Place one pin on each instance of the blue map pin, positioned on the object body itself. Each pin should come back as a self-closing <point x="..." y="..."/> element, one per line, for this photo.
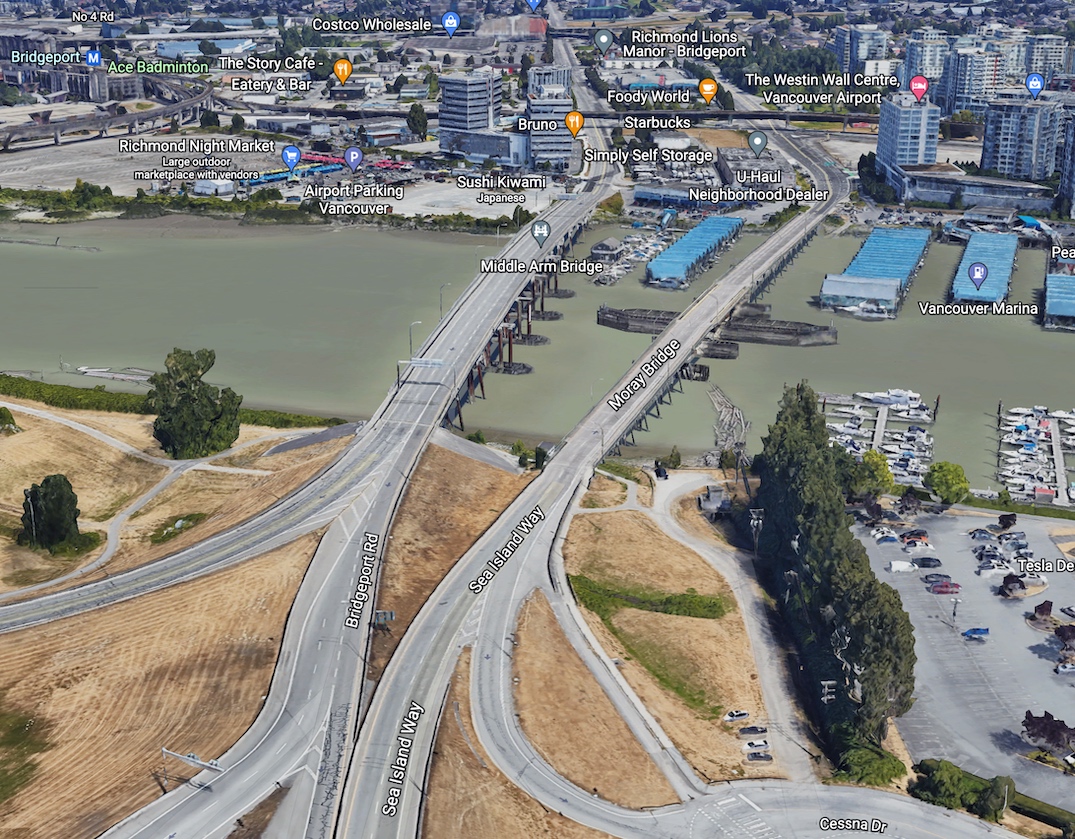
<point x="291" y="156"/>
<point x="353" y="156"/>
<point x="1035" y="83"/>
<point x="978" y="273"/>
<point x="533" y="4"/>
<point x="450" y="22"/>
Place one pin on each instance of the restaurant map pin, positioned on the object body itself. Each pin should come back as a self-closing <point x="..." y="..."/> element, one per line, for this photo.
<point x="342" y="69"/>
<point x="603" y="40"/>
<point x="574" y="121"/>
<point x="708" y="89"/>
<point x="757" y="142"/>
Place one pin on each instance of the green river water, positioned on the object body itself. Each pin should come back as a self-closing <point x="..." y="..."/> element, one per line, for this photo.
<point x="314" y="320"/>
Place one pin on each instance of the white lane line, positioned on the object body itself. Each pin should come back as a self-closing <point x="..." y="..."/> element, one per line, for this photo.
<point x="751" y="803"/>
<point x="318" y="645"/>
<point x="725" y="801"/>
<point x="284" y="746"/>
<point x="300" y="716"/>
<point x="315" y="669"/>
<point x="323" y="620"/>
<point x="335" y="672"/>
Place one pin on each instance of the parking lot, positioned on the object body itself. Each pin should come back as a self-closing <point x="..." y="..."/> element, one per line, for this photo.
<point x="972" y="695"/>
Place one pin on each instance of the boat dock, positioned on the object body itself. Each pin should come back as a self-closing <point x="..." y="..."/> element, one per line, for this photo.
<point x="875" y="283"/>
<point x="1035" y="469"/>
<point x="1060" y="470"/>
<point x="997" y="252"/>
<point x="879" y="427"/>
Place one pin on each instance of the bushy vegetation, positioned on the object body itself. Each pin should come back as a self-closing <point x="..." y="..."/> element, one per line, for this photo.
<point x="7" y="421"/>
<point x="21" y="737"/>
<point x="50" y="518"/>
<point x="168" y="529"/>
<point x="99" y="399"/>
<point x="848" y="626"/>
<point x="194" y="418"/>
<point x="873" y="184"/>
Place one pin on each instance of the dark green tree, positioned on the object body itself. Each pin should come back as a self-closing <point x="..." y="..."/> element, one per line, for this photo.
<point x="944" y="786"/>
<point x="7" y="422"/>
<point x="194" y="418"/>
<point x="540" y="456"/>
<point x="209" y="119"/>
<point x="49" y="513"/>
<point x="416" y="120"/>
<point x="237" y="123"/>
<point x="947" y="481"/>
<point x="994" y="799"/>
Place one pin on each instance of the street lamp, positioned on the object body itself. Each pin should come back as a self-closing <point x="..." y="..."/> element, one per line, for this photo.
<point x="410" y="335"/>
<point x="442" y="285"/>
<point x="955" y="605"/>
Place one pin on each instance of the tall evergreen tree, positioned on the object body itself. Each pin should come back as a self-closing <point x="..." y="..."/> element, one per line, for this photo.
<point x="194" y="419"/>
<point x="49" y="513"/>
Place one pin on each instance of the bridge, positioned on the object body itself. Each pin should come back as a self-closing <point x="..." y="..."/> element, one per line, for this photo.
<point x="187" y="100"/>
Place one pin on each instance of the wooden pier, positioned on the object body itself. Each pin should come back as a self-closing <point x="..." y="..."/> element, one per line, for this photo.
<point x="1060" y="469"/>
<point x="879" y="428"/>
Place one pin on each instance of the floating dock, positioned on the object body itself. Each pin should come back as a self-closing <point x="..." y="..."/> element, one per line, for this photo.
<point x="1059" y="302"/>
<point x="997" y="252"/>
<point x="676" y="265"/>
<point x="755" y="329"/>
<point x="881" y="271"/>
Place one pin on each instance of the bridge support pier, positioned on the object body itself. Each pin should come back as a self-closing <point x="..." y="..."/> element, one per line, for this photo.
<point x="56" y="137"/>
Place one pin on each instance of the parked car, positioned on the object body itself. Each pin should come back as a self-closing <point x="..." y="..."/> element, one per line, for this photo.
<point x="1010" y="535"/>
<point x="759" y="756"/>
<point x="911" y="534"/>
<point x="936" y="578"/>
<point x="947" y="587"/>
<point x="1064" y="668"/>
<point x="911" y="547"/>
<point x="735" y="716"/>
<point x="884" y="539"/>
<point x="753" y="731"/>
<point x="927" y="562"/>
<point x="756" y="746"/>
<point x="882" y="531"/>
<point x="1016" y="545"/>
<point x="1068" y="610"/>
<point x="986" y="552"/>
<point x="981" y="535"/>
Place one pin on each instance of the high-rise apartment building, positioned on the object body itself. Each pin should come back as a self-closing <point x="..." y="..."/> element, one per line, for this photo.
<point x="1021" y="136"/>
<point x="548" y="101"/>
<point x="854" y="44"/>
<point x="1045" y="54"/>
<point x="470" y="101"/>
<point x="1067" y="168"/>
<point x="970" y="81"/>
<point x="906" y="134"/>
<point x="926" y="49"/>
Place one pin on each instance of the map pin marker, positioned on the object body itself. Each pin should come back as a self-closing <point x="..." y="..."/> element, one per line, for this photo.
<point x="353" y="156"/>
<point x="450" y="22"/>
<point x="540" y="231"/>
<point x="342" y="69"/>
<point x="757" y="141"/>
<point x="533" y="4"/>
<point x="919" y="85"/>
<point x="574" y="121"/>
<point x="291" y="156"/>
<point x="978" y="272"/>
<point x="708" y="89"/>
<point x="603" y="40"/>
<point x="1035" y="83"/>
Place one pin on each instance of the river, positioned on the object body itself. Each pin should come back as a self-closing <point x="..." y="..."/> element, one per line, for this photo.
<point x="314" y="320"/>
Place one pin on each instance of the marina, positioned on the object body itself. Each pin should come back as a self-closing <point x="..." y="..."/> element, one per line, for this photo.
<point x="1031" y="453"/>
<point x="996" y="251"/>
<point x="675" y="266"/>
<point x="875" y="283"/>
<point x="890" y="422"/>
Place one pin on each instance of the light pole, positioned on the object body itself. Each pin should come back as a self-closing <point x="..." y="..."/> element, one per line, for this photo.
<point x="442" y="285"/>
<point x="503" y="224"/>
<point x="601" y="379"/>
<point x="955" y="605"/>
<point x="410" y="335"/>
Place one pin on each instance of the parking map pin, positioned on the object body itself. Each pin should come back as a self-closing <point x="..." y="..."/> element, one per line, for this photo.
<point x="708" y="89"/>
<point x="978" y="272"/>
<point x="757" y="142"/>
<point x="291" y="156"/>
<point x="450" y="22"/>
<point x="540" y="230"/>
<point x="342" y="69"/>
<point x="919" y="85"/>
<point x="574" y="121"/>
<point x="533" y="4"/>
<point x="1035" y="83"/>
<point x="603" y="40"/>
<point x="353" y="156"/>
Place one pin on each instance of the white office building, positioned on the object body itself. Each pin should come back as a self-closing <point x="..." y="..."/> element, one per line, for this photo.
<point x="1021" y="136"/>
<point x="548" y="101"/>
<point x="926" y="49"/>
<point x="471" y="101"/>
<point x="906" y="134"/>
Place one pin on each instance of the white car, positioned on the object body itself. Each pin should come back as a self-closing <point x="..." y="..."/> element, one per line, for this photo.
<point x="878" y="532"/>
<point x="911" y="547"/>
<point x="735" y="716"/>
<point x="1060" y="668"/>
<point x="756" y="746"/>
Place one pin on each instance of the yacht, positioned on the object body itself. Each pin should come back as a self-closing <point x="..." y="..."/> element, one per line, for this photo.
<point x="892" y="396"/>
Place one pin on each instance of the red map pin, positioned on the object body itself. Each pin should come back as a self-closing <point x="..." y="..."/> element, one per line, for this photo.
<point x="919" y="86"/>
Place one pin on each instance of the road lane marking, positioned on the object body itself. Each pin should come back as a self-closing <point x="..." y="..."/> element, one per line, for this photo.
<point x="751" y="803"/>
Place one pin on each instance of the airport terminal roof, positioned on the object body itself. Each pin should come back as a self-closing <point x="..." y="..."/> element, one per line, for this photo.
<point x="997" y="252"/>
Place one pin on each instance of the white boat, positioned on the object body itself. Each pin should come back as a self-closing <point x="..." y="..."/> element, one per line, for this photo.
<point x="892" y="396"/>
<point x="852" y="410"/>
<point x="920" y="414"/>
<point x="1069" y="415"/>
<point x="867" y="311"/>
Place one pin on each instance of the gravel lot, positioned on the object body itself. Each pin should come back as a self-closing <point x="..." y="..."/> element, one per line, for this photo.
<point x="971" y="696"/>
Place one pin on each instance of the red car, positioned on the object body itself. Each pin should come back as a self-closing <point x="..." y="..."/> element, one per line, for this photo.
<point x="944" y="588"/>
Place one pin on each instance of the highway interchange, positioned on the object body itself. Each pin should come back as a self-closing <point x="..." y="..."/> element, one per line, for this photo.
<point x="305" y="736"/>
